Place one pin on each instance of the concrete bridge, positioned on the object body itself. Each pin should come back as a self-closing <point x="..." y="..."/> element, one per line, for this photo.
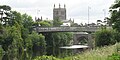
<point x="76" y="36"/>
<point x="66" y="29"/>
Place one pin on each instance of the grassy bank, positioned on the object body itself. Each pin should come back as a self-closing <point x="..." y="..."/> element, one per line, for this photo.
<point x="94" y="54"/>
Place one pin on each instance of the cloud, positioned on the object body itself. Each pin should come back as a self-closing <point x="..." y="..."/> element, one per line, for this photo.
<point x="77" y="9"/>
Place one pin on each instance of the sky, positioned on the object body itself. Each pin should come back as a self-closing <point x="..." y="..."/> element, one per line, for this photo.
<point x="76" y="9"/>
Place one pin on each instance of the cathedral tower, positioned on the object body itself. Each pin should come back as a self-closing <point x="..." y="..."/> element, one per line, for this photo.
<point x="59" y="13"/>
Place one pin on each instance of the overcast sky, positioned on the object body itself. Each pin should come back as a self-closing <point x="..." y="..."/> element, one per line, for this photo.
<point x="76" y="9"/>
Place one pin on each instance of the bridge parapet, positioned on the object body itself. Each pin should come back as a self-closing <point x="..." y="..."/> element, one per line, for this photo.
<point x="66" y="29"/>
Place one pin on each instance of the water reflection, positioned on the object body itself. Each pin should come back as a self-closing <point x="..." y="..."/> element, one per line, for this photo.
<point x="14" y="56"/>
<point x="28" y="55"/>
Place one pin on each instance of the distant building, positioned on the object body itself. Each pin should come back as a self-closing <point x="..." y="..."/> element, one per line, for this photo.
<point x="38" y="19"/>
<point x="59" y="13"/>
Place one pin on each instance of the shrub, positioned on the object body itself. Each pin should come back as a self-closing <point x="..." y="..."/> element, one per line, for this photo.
<point x="114" y="56"/>
<point x="104" y="37"/>
<point x="1" y="50"/>
<point x="44" y="57"/>
<point x="116" y="36"/>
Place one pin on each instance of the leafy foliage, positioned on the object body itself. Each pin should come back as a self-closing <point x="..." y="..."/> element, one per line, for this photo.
<point x="18" y="37"/>
<point x="5" y="7"/>
<point x="115" y="19"/>
<point x="45" y="23"/>
<point x="114" y="56"/>
<point x="46" y="58"/>
<point x="57" y="22"/>
<point x="27" y="22"/>
<point x="39" y="43"/>
<point x="56" y="40"/>
<point x="116" y="36"/>
<point x="104" y="37"/>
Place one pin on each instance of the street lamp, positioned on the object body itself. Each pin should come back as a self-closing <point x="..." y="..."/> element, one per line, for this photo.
<point x="88" y="15"/>
<point x="1" y="13"/>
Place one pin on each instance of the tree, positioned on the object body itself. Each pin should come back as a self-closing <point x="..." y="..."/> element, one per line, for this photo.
<point x="104" y="37"/>
<point x="39" y="43"/>
<point x="17" y="17"/>
<point x="12" y="39"/>
<point x="4" y="9"/>
<point x="56" y="40"/>
<point x="45" y="23"/>
<point x="57" y="22"/>
<point x="44" y="57"/>
<point x="27" y="22"/>
<point x="116" y="36"/>
<point x="115" y="19"/>
<point x="74" y="25"/>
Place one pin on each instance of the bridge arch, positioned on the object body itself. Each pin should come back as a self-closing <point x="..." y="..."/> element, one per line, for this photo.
<point x="79" y="37"/>
<point x="83" y="40"/>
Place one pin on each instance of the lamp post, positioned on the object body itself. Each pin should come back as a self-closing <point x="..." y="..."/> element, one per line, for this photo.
<point x="104" y="13"/>
<point x="104" y="18"/>
<point x="1" y="13"/>
<point x="38" y="11"/>
<point x="88" y="15"/>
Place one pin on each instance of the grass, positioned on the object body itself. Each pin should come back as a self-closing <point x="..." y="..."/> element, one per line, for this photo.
<point x="95" y="54"/>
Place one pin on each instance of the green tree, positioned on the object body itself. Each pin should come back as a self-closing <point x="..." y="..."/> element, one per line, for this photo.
<point x="11" y="38"/>
<point x="61" y="39"/>
<point x="57" y="22"/>
<point x="27" y="22"/>
<point x="45" y="23"/>
<point x="104" y="37"/>
<point x="116" y="36"/>
<point x="4" y="9"/>
<point x="39" y="43"/>
<point x="56" y="40"/>
<point x="46" y="58"/>
<point x="115" y="19"/>
<point x="74" y="25"/>
<point x="17" y="17"/>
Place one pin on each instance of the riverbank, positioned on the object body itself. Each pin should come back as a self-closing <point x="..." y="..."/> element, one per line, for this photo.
<point x="94" y="54"/>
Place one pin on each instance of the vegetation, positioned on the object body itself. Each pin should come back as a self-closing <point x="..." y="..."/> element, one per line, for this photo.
<point x="103" y="53"/>
<point x="115" y="19"/>
<point x="46" y="58"/>
<point x="57" y="22"/>
<point x="104" y="37"/>
<point x="17" y="35"/>
<point x="114" y="56"/>
<point x="19" y="40"/>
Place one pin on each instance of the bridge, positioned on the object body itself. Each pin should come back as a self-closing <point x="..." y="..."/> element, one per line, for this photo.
<point x="67" y="29"/>
<point x="76" y="35"/>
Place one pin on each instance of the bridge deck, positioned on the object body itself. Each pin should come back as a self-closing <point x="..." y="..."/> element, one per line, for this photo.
<point x="66" y="29"/>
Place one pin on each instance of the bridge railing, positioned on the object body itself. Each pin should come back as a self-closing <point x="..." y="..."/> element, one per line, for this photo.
<point x="66" y="29"/>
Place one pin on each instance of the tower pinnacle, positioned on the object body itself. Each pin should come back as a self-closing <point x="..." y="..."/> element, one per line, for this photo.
<point x="64" y="6"/>
<point x="54" y="5"/>
<point x="59" y="5"/>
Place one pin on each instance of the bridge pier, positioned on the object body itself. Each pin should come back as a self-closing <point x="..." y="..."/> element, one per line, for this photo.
<point x="90" y="40"/>
<point x="88" y="36"/>
<point x="75" y="39"/>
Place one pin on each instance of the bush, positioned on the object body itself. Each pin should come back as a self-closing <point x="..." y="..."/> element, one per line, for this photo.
<point x="104" y="37"/>
<point x="46" y="58"/>
<point x="1" y="50"/>
<point x="114" y="56"/>
<point x="116" y="36"/>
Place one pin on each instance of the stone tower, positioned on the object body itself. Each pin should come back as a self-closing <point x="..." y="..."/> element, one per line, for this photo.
<point x="59" y="13"/>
